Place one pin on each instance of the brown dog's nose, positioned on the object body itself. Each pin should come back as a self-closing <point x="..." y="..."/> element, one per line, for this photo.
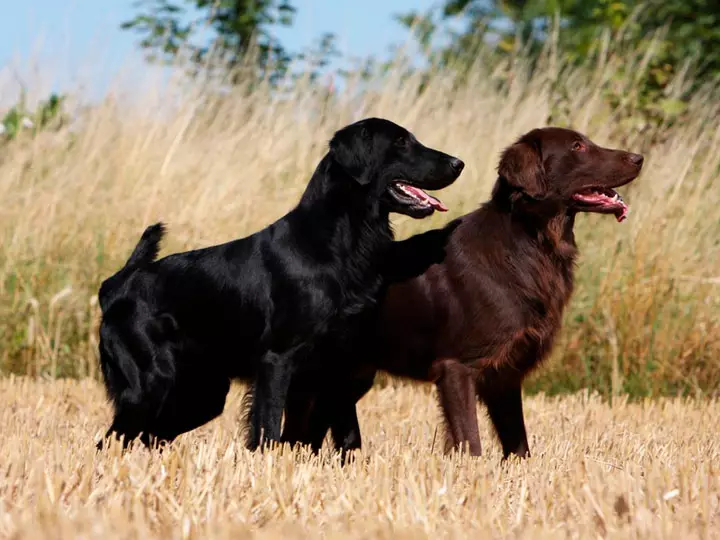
<point x="636" y="159"/>
<point x="458" y="165"/>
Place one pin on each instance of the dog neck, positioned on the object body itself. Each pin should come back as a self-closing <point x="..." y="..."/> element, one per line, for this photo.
<point x="347" y="220"/>
<point x="332" y="189"/>
<point x="550" y="222"/>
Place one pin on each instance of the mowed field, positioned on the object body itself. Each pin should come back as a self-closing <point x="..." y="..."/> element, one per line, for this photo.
<point x="644" y="470"/>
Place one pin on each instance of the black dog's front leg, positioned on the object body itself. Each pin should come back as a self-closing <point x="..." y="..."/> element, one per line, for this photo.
<point x="410" y="258"/>
<point x="344" y="424"/>
<point x="308" y="420"/>
<point x="270" y="391"/>
<point x="334" y="407"/>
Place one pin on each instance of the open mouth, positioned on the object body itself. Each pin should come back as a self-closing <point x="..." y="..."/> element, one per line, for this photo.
<point x="602" y="200"/>
<point x="414" y="197"/>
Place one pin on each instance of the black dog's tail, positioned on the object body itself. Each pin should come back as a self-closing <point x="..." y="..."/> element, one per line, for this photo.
<point x="147" y="249"/>
<point x="145" y="252"/>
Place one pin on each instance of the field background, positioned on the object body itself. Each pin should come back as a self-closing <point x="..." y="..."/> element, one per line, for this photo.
<point x="644" y="317"/>
<point x="627" y="470"/>
<point x="622" y="418"/>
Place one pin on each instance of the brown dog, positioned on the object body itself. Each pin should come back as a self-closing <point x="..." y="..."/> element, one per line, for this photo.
<point x="479" y="322"/>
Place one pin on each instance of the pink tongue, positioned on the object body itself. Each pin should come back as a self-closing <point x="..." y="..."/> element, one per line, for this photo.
<point x="620" y="212"/>
<point x="622" y="215"/>
<point x="420" y="194"/>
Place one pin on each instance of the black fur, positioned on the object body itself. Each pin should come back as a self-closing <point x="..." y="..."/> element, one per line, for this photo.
<point x="270" y="307"/>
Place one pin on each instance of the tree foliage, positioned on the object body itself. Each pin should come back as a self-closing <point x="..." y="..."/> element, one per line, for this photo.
<point x="675" y="35"/>
<point x="222" y="33"/>
<point x="693" y="26"/>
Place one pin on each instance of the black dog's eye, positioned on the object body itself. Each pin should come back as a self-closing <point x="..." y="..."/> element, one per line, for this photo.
<point x="402" y="142"/>
<point x="579" y="147"/>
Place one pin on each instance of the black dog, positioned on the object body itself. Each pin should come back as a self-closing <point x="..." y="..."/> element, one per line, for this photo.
<point x="175" y="331"/>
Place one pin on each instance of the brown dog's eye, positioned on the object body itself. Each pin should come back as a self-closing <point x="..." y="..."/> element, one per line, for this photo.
<point x="579" y="147"/>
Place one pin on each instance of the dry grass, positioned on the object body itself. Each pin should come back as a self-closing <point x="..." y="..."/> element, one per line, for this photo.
<point x="644" y="318"/>
<point x="630" y="470"/>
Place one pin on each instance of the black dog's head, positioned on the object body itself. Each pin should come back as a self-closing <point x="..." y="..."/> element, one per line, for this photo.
<point x="388" y="160"/>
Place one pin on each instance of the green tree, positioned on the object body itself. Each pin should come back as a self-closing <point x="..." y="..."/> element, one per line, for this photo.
<point x="221" y="33"/>
<point x="693" y="26"/>
<point x="678" y="32"/>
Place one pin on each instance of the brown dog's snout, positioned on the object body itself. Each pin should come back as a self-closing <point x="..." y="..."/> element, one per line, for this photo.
<point x="635" y="159"/>
<point x="457" y="165"/>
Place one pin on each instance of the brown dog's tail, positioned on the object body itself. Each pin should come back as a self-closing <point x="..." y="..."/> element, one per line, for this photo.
<point x="146" y="250"/>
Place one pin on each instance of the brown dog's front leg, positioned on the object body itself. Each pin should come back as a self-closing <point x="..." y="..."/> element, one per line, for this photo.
<point x="506" y="413"/>
<point x="456" y="386"/>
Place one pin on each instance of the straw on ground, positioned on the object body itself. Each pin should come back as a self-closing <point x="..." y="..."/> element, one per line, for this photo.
<point x="644" y="470"/>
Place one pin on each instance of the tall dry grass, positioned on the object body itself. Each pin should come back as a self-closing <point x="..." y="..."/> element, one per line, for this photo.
<point x="644" y="318"/>
<point x="626" y="470"/>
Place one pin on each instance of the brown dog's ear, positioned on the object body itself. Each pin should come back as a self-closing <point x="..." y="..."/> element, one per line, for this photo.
<point x="521" y="166"/>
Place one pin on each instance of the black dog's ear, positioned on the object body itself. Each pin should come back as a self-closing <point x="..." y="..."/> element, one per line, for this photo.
<point x="521" y="166"/>
<point x="351" y="151"/>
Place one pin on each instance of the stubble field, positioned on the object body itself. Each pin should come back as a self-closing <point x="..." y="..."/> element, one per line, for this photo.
<point x="644" y="470"/>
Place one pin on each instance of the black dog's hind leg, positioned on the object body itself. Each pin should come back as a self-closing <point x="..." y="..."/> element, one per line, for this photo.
<point x="270" y="391"/>
<point x="125" y="386"/>
<point x="139" y="371"/>
<point x="197" y="396"/>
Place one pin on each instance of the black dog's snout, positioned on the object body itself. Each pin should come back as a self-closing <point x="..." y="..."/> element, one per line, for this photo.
<point x="636" y="159"/>
<point x="457" y="165"/>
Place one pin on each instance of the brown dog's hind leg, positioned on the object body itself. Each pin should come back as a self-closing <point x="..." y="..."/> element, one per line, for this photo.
<point x="506" y="413"/>
<point x="456" y="386"/>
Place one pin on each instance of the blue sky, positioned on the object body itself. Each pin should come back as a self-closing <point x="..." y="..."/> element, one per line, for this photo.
<point x="82" y="38"/>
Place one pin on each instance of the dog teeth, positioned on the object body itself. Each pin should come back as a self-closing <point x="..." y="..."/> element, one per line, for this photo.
<point x="413" y="195"/>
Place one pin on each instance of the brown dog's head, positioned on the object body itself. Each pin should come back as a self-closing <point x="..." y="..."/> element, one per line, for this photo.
<point x="564" y="167"/>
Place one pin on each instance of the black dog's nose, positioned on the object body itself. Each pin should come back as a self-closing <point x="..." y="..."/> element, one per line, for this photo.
<point x="457" y="165"/>
<point x="636" y="159"/>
